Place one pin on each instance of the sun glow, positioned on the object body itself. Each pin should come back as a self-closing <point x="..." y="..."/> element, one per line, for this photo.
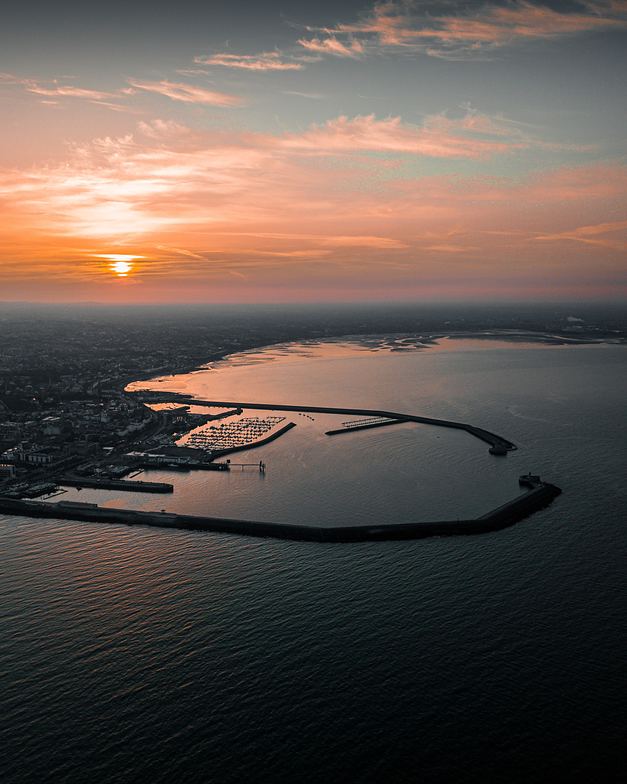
<point x="120" y="264"/>
<point x="121" y="268"/>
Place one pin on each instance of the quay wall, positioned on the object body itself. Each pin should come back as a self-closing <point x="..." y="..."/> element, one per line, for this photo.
<point x="128" y="485"/>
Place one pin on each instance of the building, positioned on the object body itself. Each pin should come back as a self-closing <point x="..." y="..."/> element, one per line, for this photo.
<point x="52" y="426"/>
<point x="36" y="458"/>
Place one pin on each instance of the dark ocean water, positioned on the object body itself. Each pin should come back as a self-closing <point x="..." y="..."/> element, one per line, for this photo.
<point x="134" y="654"/>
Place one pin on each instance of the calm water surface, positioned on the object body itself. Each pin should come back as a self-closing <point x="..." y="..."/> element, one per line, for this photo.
<point x="130" y="654"/>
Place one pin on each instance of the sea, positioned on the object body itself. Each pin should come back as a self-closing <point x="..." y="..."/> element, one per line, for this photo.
<point x="134" y="654"/>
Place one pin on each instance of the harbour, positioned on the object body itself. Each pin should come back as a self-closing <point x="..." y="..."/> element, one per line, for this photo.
<point x="484" y="435"/>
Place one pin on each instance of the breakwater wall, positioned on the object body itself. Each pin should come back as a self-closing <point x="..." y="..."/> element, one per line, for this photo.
<point x="127" y="485"/>
<point x="478" y="432"/>
<point x="503" y="516"/>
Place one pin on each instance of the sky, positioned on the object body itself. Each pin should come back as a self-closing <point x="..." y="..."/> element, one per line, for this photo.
<point x="400" y="150"/>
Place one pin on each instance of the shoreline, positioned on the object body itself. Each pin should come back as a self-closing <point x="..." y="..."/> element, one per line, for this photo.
<point x="540" y="493"/>
<point x="428" y="341"/>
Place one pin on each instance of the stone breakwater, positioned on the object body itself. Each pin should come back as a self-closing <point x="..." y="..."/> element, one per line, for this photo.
<point x="540" y="495"/>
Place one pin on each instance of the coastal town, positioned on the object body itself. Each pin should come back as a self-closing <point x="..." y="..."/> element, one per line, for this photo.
<point x="63" y="405"/>
<point x="64" y="411"/>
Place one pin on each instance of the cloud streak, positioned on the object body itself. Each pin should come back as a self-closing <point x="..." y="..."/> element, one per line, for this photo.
<point x="593" y="235"/>
<point x="473" y="136"/>
<point x="462" y="32"/>
<point x="188" y="93"/>
<point x="181" y="92"/>
<point x="56" y="90"/>
<point x="262" y="205"/>
<point x="333" y="46"/>
<point x="266" y="61"/>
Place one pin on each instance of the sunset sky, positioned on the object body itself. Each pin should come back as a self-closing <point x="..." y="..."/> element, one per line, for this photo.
<point x="287" y="151"/>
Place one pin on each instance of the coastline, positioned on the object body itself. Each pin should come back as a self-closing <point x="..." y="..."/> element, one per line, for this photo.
<point x="508" y="514"/>
<point x="428" y="340"/>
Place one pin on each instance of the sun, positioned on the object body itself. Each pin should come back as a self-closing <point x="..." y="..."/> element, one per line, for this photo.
<point x="121" y="268"/>
<point x="120" y="264"/>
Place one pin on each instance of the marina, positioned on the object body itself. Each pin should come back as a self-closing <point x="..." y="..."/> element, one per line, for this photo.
<point x="492" y="439"/>
<point x="240" y="433"/>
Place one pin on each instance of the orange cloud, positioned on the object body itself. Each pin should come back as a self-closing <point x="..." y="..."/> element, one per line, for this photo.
<point x="188" y="93"/>
<point x="55" y="90"/>
<point x="351" y="241"/>
<point x="388" y="22"/>
<point x="208" y="212"/>
<point x="594" y="235"/>
<point x="266" y="61"/>
<point x="333" y="46"/>
<point x="467" y="33"/>
<point x="176" y="91"/>
<point x="473" y="136"/>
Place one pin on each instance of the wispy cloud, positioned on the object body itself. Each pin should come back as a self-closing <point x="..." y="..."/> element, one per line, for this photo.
<point x="176" y="91"/>
<point x="202" y="205"/>
<point x="456" y="31"/>
<point x="193" y="72"/>
<point x="471" y="136"/>
<point x="596" y="234"/>
<point x="266" y="61"/>
<point x="299" y="94"/>
<point x="333" y="46"/>
<point x="353" y="241"/>
<point x="188" y="93"/>
<point x="56" y="90"/>
<point x="127" y="186"/>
